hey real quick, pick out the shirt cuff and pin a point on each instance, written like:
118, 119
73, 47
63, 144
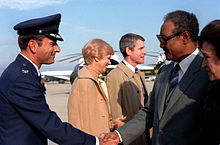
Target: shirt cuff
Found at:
119, 136
97, 141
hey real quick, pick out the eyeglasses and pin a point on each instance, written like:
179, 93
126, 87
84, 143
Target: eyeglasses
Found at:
163, 39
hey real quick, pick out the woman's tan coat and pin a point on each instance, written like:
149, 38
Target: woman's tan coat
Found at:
88, 106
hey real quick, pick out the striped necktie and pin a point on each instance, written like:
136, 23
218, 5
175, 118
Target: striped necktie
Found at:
173, 82
174, 77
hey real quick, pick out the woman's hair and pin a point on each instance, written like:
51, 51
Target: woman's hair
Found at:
211, 34
96, 48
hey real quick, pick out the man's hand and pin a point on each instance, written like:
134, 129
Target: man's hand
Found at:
109, 142
109, 137
118, 122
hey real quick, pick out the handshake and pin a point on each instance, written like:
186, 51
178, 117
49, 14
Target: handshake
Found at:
111, 138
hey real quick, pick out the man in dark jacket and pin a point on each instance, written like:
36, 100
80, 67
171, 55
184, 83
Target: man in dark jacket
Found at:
176, 100
25, 117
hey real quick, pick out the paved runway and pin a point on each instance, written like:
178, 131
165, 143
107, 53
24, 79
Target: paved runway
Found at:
57, 97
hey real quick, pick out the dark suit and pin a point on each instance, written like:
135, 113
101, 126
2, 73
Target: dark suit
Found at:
25, 117
179, 123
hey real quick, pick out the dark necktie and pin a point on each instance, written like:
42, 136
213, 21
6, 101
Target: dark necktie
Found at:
173, 82
174, 77
144, 93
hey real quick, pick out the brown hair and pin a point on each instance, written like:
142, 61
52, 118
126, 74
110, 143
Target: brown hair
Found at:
211, 33
129, 40
23, 40
96, 48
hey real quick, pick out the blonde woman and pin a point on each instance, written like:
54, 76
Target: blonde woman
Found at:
88, 104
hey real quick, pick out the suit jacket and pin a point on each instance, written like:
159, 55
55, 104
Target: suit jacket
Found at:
25, 117
125, 92
179, 123
88, 106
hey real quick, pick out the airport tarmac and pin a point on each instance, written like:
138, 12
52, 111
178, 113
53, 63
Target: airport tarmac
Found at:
57, 97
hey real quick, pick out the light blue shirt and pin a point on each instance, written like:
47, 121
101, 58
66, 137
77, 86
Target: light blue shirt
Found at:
185, 63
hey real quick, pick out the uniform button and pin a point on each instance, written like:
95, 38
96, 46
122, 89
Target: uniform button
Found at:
161, 132
24, 64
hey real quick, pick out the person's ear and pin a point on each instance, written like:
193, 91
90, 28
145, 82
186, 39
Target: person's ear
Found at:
96, 59
186, 37
128, 51
32, 45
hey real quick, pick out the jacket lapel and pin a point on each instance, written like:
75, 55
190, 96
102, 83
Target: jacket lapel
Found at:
164, 87
143, 84
84, 73
185, 82
126, 70
130, 74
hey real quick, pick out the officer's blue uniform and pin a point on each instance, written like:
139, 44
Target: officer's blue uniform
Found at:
25, 118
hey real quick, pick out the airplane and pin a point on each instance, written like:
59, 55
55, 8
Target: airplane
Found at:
70, 75
60, 76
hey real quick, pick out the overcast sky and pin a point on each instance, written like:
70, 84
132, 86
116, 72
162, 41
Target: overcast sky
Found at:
83, 20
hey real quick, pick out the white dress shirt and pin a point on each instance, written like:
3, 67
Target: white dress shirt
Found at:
129, 66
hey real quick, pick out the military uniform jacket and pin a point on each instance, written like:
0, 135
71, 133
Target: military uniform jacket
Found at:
179, 123
125, 93
25, 117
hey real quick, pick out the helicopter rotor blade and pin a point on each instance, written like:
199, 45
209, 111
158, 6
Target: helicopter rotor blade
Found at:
153, 52
66, 58
151, 55
76, 59
74, 54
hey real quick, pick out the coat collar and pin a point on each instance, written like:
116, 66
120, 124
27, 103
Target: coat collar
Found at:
127, 71
85, 73
26, 63
130, 74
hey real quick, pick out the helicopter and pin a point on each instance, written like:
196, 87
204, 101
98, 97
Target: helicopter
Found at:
70, 75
